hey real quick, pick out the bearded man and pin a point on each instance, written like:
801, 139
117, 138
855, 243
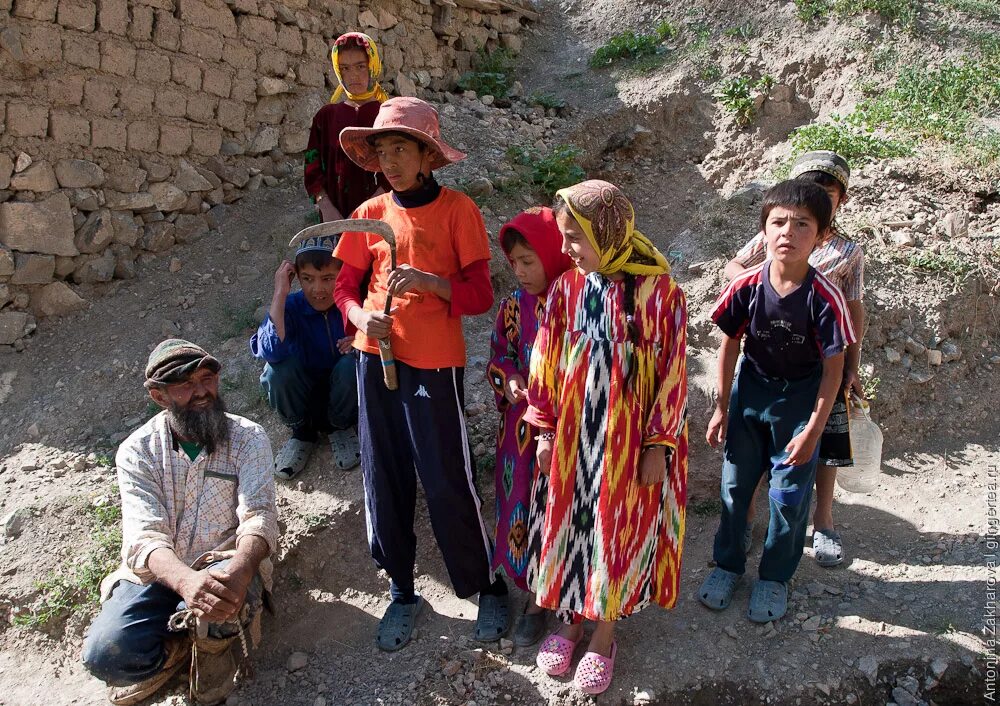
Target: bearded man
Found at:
198, 527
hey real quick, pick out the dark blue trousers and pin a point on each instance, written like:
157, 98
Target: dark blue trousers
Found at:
764, 415
419, 430
320, 399
126, 642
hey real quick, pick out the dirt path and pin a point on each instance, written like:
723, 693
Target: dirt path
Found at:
902, 616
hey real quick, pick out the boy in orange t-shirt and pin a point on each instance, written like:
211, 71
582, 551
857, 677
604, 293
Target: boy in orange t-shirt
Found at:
443, 274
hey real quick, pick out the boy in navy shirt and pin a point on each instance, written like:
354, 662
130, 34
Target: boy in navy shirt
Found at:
795, 326
309, 377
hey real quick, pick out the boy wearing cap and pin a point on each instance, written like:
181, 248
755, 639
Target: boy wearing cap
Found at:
309, 377
842, 260
418, 429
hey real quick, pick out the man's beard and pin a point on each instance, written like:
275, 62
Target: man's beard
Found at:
209, 428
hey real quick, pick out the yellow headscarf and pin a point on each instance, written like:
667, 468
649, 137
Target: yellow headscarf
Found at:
375, 91
608, 219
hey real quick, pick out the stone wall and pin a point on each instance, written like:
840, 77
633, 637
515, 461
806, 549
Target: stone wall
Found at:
127, 125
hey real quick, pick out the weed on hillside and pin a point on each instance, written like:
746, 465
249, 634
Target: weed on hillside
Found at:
77, 589
855, 145
632, 46
901, 12
492, 73
738, 95
551, 171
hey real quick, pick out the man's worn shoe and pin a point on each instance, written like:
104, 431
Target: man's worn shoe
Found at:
178, 653
214, 663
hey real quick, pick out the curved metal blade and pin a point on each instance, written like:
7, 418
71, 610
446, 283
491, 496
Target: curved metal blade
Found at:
348, 225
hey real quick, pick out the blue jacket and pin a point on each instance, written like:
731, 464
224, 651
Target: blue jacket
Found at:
310, 335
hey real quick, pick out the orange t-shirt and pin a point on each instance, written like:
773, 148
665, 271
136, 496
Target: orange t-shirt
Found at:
441, 237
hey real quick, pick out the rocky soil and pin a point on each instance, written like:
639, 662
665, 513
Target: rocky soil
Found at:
901, 621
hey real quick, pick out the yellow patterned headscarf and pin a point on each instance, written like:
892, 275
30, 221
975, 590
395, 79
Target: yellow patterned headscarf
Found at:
351, 40
608, 219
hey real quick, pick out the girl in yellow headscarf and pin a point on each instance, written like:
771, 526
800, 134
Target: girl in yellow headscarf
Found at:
607, 391
335, 183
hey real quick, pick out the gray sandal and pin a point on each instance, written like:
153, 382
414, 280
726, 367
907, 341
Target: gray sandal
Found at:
493, 620
292, 458
345, 448
827, 547
717, 589
529, 628
396, 627
768, 602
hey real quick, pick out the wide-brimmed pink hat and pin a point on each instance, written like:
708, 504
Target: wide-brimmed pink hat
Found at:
410, 116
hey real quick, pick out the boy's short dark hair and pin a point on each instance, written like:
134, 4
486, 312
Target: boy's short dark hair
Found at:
512, 237
799, 193
824, 180
394, 133
319, 259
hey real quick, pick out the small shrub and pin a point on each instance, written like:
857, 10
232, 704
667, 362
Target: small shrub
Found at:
630, 46
855, 145
809, 10
492, 73
903, 12
869, 385
549, 172
547, 100
945, 263
77, 589
710, 72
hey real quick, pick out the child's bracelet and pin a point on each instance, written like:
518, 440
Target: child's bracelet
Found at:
546, 436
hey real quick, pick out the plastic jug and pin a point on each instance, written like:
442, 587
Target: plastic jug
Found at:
866, 447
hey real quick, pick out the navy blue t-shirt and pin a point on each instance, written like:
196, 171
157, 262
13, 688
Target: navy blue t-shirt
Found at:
786, 337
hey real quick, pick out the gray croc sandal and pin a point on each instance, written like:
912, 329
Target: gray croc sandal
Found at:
717, 589
345, 448
292, 458
748, 538
396, 627
768, 601
529, 628
493, 620
828, 547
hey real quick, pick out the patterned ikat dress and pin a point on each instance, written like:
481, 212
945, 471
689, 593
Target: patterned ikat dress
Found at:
520, 491
609, 545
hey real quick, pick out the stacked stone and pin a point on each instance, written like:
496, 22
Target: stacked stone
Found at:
131, 120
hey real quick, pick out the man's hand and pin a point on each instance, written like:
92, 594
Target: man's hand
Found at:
345, 344
283, 277
235, 577
515, 389
802, 446
209, 597
405, 279
716, 433
653, 465
543, 455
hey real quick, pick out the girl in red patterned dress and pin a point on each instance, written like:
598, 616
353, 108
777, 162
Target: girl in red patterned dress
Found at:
531, 242
608, 392
336, 184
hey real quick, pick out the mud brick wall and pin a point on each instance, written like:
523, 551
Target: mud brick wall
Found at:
127, 125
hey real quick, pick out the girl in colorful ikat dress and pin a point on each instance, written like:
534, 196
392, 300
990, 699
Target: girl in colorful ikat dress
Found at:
336, 184
795, 326
608, 392
532, 243
842, 261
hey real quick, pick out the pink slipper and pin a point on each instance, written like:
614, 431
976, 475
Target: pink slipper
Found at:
595, 671
556, 654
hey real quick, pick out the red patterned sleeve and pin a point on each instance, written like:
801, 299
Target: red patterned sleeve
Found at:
668, 414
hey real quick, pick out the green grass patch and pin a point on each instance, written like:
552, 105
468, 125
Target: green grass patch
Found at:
551, 171
856, 145
547, 100
492, 73
631, 46
809, 10
738, 95
949, 264
76, 589
744, 32
902, 12
980, 9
